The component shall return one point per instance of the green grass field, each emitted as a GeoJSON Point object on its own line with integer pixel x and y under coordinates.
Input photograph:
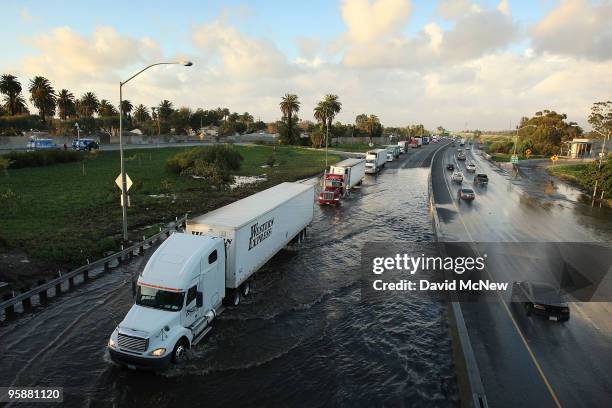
{"type": "Point", "coordinates": [570, 172]}
{"type": "Point", "coordinates": [357, 147]}
{"type": "Point", "coordinates": [62, 214]}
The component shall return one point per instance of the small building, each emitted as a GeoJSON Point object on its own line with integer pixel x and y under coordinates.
{"type": "Point", "coordinates": [579, 148]}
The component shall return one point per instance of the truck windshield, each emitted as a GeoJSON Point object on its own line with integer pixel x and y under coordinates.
{"type": "Point", "coordinates": [159, 299]}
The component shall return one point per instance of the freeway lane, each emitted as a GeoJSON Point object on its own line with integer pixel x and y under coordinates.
{"type": "Point", "coordinates": [527, 360]}
{"type": "Point", "coordinates": [302, 338]}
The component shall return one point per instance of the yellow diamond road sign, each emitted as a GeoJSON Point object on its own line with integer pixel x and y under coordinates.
{"type": "Point", "coordinates": [554, 158]}
{"type": "Point", "coordinates": [128, 181]}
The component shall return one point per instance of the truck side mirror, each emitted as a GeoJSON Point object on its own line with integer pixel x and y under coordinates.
{"type": "Point", "coordinates": [133, 289]}
{"type": "Point", "coordinates": [199, 299]}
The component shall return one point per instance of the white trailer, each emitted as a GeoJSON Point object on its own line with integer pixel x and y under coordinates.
{"type": "Point", "coordinates": [188, 278]}
{"type": "Point", "coordinates": [375, 160]}
{"type": "Point", "coordinates": [352, 171]}
{"type": "Point", "coordinates": [403, 144]}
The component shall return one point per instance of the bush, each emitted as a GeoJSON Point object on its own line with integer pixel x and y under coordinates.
{"type": "Point", "coordinates": [214, 163]}
{"type": "Point", "coordinates": [39, 158]}
{"type": "Point", "coordinates": [223, 157]}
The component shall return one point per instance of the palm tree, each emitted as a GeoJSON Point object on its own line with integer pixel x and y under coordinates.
{"type": "Point", "coordinates": [65, 104]}
{"type": "Point", "coordinates": [246, 118]}
{"type": "Point", "coordinates": [289, 105]}
{"type": "Point", "coordinates": [19, 106]}
{"type": "Point", "coordinates": [165, 109]}
{"type": "Point", "coordinates": [106, 109]}
{"type": "Point", "coordinates": [320, 113]}
{"type": "Point", "coordinates": [88, 104]}
{"type": "Point", "coordinates": [333, 107]}
{"type": "Point", "coordinates": [141, 113]}
{"type": "Point", "coordinates": [42, 96]}
{"type": "Point", "coordinates": [10, 87]}
{"type": "Point", "coordinates": [126, 107]}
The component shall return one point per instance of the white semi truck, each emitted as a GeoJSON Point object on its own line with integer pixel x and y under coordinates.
{"type": "Point", "coordinates": [375, 160]}
{"type": "Point", "coordinates": [185, 282]}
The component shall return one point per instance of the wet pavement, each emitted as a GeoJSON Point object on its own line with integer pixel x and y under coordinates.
{"type": "Point", "coordinates": [303, 337]}
{"type": "Point", "coordinates": [527, 361]}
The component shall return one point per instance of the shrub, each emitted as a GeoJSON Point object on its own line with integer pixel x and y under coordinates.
{"type": "Point", "coordinates": [39, 158]}
{"type": "Point", "coordinates": [222, 157]}
{"type": "Point", "coordinates": [213, 163]}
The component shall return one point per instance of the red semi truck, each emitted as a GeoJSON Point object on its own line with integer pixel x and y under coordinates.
{"type": "Point", "coordinates": [340, 179]}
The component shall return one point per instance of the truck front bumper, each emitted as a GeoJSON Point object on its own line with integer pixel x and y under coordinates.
{"type": "Point", "coordinates": [139, 362]}
{"type": "Point", "coordinates": [335, 201]}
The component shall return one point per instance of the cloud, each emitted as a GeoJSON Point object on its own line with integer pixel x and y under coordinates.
{"type": "Point", "coordinates": [576, 28]}
{"type": "Point", "coordinates": [454, 9]}
{"type": "Point", "coordinates": [475, 33]}
{"type": "Point", "coordinates": [369, 21]}
{"type": "Point", "coordinates": [64, 54]}
{"type": "Point", "coordinates": [237, 54]}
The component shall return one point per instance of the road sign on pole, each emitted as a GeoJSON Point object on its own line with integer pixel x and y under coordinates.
{"type": "Point", "coordinates": [528, 153]}
{"type": "Point", "coordinates": [514, 159]}
{"type": "Point", "coordinates": [554, 158]}
{"type": "Point", "coordinates": [128, 181]}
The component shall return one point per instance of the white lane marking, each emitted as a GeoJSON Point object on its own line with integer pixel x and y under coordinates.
{"type": "Point", "coordinates": [514, 323]}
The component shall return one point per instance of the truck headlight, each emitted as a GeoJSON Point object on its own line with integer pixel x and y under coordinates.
{"type": "Point", "coordinates": [111, 343]}
{"type": "Point", "coordinates": [158, 352]}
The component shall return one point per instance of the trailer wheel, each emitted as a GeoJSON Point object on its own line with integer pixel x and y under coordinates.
{"type": "Point", "coordinates": [246, 288]}
{"type": "Point", "coordinates": [180, 351]}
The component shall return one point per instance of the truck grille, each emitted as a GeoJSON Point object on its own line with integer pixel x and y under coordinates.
{"type": "Point", "coordinates": [328, 196]}
{"type": "Point", "coordinates": [132, 343]}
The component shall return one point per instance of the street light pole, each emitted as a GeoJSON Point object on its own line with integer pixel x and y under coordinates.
{"type": "Point", "coordinates": [124, 197]}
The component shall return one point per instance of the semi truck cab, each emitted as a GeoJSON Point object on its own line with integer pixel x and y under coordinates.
{"type": "Point", "coordinates": [333, 189]}
{"type": "Point", "coordinates": [177, 296]}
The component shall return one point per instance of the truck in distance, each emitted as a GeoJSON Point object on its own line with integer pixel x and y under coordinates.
{"type": "Point", "coordinates": [403, 144]}
{"type": "Point", "coordinates": [375, 160]}
{"type": "Point", "coordinates": [416, 142]}
{"type": "Point", "coordinates": [394, 150]}
{"type": "Point", "coordinates": [187, 279]}
{"type": "Point", "coordinates": [341, 178]}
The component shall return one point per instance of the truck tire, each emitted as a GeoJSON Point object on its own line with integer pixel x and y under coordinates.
{"type": "Point", "coordinates": [246, 288]}
{"type": "Point", "coordinates": [235, 298]}
{"type": "Point", "coordinates": [180, 351]}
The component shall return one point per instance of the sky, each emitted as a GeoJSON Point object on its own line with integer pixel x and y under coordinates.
{"type": "Point", "coordinates": [462, 64]}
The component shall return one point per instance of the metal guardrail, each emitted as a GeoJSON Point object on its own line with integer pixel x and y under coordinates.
{"type": "Point", "coordinates": [25, 298]}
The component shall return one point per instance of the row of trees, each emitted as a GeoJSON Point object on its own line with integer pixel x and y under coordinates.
{"type": "Point", "coordinates": [93, 113]}
{"type": "Point", "coordinates": [324, 113]}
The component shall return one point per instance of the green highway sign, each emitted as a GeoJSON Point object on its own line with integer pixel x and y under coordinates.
{"type": "Point", "coordinates": [514, 159]}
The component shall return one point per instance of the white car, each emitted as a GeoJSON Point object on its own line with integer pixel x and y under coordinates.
{"type": "Point", "coordinates": [457, 177]}
{"type": "Point", "coordinates": [471, 167]}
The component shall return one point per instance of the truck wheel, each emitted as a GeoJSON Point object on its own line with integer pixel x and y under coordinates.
{"type": "Point", "coordinates": [180, 351]}
{"type": "Point", "coordinates": [246, 288]}
{"type": "Point", "coordinates": [236, 298]}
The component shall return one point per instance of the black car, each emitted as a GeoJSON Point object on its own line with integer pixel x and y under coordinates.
{"type": "Point", "coordinates": [450, 167]}
{"type": "Point", "coordinates": [466, 194]}
{"type": "Point", "coordinates": [542, 299]}
{"type": "Point", "coordinates": [85, 144]}
{"type": "Point", "coordinates": [481, 179]}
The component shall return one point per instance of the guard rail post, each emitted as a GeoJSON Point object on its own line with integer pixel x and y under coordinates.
{"type": "Point", "coordinates": [27, 302]}
{"type": "Point", "coordinates": [9, 312]}
{"type": "Point", "coordinates": [42, 296]}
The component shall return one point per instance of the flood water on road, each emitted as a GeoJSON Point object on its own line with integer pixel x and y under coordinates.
{"type": "Point", "coordinates": [302, 338]}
